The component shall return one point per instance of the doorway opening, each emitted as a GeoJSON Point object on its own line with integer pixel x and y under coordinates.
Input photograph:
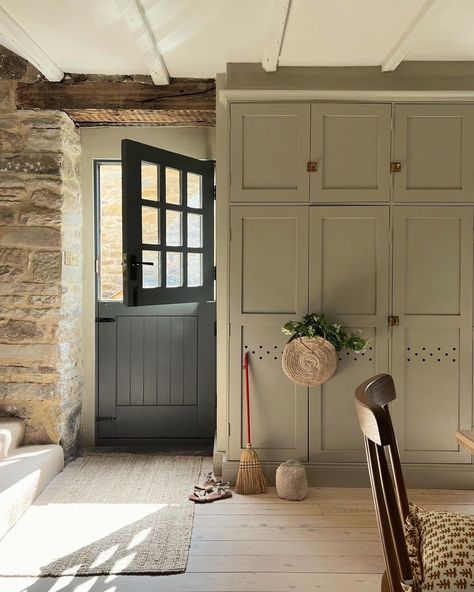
{"type": "Point", "coordinates": [155, 308]}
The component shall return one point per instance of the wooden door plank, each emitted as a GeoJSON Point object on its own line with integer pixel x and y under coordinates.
{"type": "Point", "coordinates": [123, 361]}
{"type": "Point", "coordinates": [150, 339]}
{"type": "Point", "coordinates": [136, 361]}
{"type": "Point", "coordinates": [177, 361]}
{"type": "Point", "coordinates": [163, 367]}
{"type": "Point", "coordinates": [190, 361]}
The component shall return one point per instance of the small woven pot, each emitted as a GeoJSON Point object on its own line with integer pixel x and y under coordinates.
{"type": "Point", "coordinates": [309, 361]}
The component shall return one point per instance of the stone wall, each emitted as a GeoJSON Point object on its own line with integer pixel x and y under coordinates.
{"type": "Point", "coordinates": [41, 275]}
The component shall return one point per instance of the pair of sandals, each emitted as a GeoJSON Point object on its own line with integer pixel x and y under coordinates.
{"type": "Point", "coordinates": [211, 490]}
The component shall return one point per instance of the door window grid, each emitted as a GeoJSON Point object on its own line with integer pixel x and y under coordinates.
{"type": "Point", "coordinates": [175, 231]}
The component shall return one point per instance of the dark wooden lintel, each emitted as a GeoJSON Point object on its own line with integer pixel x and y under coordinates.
{"type": "Point", "coordinates": [82, 93]}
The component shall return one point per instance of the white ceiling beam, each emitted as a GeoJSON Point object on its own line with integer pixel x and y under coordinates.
{"type": "Point", "coordinates": [272, 51]}
{"type": "Point", "coordinates": [410, 35]}
{"type": "Point", "coordinates": [139, 28]}
{"type": "Point", "coordinates": [16, 39]}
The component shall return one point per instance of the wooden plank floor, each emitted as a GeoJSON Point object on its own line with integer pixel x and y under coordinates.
{"type": "Point", "coordinates": [327, 542]}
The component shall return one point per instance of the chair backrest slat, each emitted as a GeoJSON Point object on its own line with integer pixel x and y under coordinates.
{"type": "Point", "coordinates": [390, 497]}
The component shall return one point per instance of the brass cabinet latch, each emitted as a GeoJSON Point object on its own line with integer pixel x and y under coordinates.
{"type": "Point", "coordinates": [312, 167]}
{"type": "Point", "coordinates": [393, 321]}
{"type": "Point", "coordinates": [395, 167]}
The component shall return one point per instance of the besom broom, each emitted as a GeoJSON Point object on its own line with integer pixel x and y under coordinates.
{"type": "Point", "coordinates": [250, 478]}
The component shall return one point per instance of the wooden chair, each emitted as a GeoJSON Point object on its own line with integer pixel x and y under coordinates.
{"type": "Point", "coordinates": [388, 489]}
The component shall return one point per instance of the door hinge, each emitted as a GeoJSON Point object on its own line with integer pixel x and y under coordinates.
{"type": "Point", "coordinates": [214, 192]}
{"type": "Point", "coordinates": [215, 328]}
{"type": "Point", "coordinates": [215, 272]}
{"type": "Point", "coordinates": [395, 167]}
{"type": "Point", "coordinates": [393, 321]}
{"type": "Point", "coordinates": [228, 429]}
{"type": "Point", "coordinates": [102, 418]}
{"type": "Point", "coordinates": [312, 167]}
{"type": "Point", "coordinates": [97, 268]}
{"type": "Point", "coordinates": [105, 320]}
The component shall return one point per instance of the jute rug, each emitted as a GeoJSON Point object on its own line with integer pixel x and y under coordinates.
{"type": "Point", "coordinates": [120, 514]}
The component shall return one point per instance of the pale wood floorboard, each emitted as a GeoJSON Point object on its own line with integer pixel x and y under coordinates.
{"type": "Point", "coordinates": [328, 542]}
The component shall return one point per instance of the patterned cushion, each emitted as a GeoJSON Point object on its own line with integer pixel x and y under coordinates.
{"type": "Point", "coordinates": [446, 550]}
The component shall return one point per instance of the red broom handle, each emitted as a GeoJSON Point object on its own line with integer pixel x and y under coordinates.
{"type": "Point", "coordinates": [247, 395]}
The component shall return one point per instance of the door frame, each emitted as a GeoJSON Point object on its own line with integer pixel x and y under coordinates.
{"type": "Point", "coordinates": [154, 443]}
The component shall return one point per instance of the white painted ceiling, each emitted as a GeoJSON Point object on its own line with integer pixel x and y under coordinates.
{"type": "Point", "coordinates": [198, 37]}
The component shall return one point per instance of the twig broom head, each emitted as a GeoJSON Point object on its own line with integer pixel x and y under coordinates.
{"type": "Point", "coordinates": [250, 478]}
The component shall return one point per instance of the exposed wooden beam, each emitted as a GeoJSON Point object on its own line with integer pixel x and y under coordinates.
{"type": "Point", "coordinates": [111, 92]}
{"type": "Point", "coordinates": [141, 117]}
{"type": "Point", "coordinates": [410, 35]}
{"type": "Point", "coordinates": [139, 28]}
{"type": "Point", "coordinates": [276, 35]}
{"type": "Point", "coordinates": [15, 38]}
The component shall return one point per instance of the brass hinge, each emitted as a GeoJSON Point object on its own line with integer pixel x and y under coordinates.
{"type": "Point", "coordinates": [395, 167]}
{"type": "Point", "coordinates": [312, 167]}
{"type": "Point", "coordinates": [393, 321]}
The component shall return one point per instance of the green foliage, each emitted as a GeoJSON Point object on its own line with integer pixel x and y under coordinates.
{"type": "Point", "coordinates": [317, 325]}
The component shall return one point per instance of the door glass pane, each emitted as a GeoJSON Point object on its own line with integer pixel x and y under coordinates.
{"type": "Point", "coordinates": [174, 225]}
{"type": "Point", "coordinates": [150, 181]}
{"type": "Point", "coordinates": [110, 231]}
{"type": "Point", "coordinates": [194, 269]}
{"type": "Point", "coordinates": [195, 230]}
{"type": "Point", "coordinates": [150, 225]}
{"type": "Point", "coordinates": [174, 270]}
{"type": "Point", "coordinates": [173, 186]}
{"type": "Point", "coordinates": [194, 191]}
{"type": "Point", "coordinates": [151, 276]}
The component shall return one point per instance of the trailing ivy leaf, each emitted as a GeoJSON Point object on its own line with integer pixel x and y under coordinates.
{"type": "Point", "coordinates": [317, 325]}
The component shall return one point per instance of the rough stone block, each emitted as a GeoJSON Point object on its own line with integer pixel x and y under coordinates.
{"type": "Point", "coordinates": [46, 266]}
{"type": "Point", "coordinates": [33, 236]}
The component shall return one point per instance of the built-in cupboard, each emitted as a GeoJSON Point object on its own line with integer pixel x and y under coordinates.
{"type": "Point", "coordinates": [363, 212]}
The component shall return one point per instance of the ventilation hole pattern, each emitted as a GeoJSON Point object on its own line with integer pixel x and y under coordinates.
{"type": "Point", "coordinates": [438, 355]}
{"type": "Point", "coordinates": [264, 352]}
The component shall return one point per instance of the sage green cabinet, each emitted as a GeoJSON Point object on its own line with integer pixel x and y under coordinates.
{"type": "Point", "coordinates": [350, 143]}
{"type": "Point", "coordinates": [432, 345]}
{"type": "Point", "coordinates": [434, 145]}
{"type": "Point", "coordinates": [269, 152]}
{"type": "Point", "coordinates": [268, 285]}
{"type": "Point", "coordinates": [349, 281]}
{"type": "Point", "coordinates": [352, 243]}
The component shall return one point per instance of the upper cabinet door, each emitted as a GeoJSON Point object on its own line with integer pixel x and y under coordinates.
{"type": "Point", "coordinates": [434, 145]}
{"type": "Point", "coordinates": [269, 152]}
{"type": "Point", "coordinates": [350, 144]}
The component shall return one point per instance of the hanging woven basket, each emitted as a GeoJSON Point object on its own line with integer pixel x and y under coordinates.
{"type": "Point", "coordinates": [309, 361]}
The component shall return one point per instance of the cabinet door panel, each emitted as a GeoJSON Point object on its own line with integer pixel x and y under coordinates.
{"type": "Point", "coordinates": [349, 259]}
{"type": "Point", "coordinates": [435, 146]}
{"type": "Point", "coordinates": [269, 152]}
{"type": "Point", "coordinates": [432, 346]}
{"type": "Point", "coordinates": [268, 286]}
{"type": "Point", "coordinates": [351, 144]}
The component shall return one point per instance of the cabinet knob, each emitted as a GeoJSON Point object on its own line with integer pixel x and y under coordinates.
{"type": "Point", "coordinates": [395, 167]}
{"type": "Point", "coordinates": [393, 321]}
{"type": "Point", "coordinates": [312, 167]}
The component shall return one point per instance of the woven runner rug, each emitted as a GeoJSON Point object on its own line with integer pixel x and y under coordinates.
{"type": "Point", "coordinates": [120, 514]}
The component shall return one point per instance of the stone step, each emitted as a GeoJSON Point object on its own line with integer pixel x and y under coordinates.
{"type": "Point", "coordinates": [12, 431]}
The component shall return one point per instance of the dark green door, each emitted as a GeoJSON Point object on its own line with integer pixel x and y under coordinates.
{"type": "Point", "coordinates": [156, 344]}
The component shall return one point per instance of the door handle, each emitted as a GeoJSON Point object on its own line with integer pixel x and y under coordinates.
{"type": "Point", "coordinates": [142, 263]}
{"type": "Point", "coordinates": [105, 320]}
